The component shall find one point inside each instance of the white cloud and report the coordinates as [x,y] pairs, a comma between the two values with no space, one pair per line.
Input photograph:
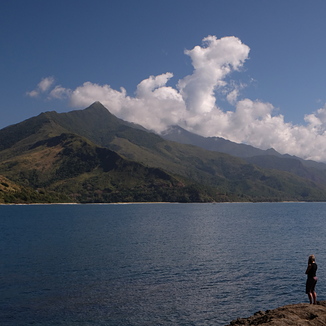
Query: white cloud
[155,105]
[60,93]
[33,93]
[232,97]
[88,93]
[212,62]
[43,86]
[192,103]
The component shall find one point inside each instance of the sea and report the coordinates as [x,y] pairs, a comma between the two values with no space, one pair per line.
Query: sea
[156,264]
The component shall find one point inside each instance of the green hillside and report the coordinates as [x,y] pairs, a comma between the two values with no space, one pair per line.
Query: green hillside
[12,193]
[77,169]
[92,156]
[267,159]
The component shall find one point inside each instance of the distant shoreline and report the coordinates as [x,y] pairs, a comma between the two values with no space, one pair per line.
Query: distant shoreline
[140,203]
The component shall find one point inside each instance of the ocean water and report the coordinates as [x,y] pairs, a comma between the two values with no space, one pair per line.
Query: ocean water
[155,264]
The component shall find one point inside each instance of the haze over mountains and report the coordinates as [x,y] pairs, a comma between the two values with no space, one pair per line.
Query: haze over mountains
[178,134]
[92,156]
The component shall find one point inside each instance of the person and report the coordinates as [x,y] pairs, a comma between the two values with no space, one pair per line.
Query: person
[311,279]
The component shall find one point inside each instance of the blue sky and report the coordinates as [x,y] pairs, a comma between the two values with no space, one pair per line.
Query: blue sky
[252,71]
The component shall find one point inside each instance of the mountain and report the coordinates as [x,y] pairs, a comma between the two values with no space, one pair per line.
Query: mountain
[219,144]
[92,156]
[267,159]
[79,171]
[11,192]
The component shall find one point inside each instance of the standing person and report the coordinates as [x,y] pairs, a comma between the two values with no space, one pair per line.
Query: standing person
[311,279]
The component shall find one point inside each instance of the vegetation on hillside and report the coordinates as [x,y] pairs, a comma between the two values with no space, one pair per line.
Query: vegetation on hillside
[11,193]
[91,156]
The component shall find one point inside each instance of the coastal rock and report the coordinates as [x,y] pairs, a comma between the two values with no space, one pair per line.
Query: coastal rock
[302,314]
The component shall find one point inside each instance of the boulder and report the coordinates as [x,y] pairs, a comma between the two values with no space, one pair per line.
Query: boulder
[301,314]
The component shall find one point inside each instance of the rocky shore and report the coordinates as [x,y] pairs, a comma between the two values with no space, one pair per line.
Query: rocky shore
[302,314]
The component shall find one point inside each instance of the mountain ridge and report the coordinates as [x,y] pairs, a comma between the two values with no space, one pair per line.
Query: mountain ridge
[64,153]
[178,134]
[271,159]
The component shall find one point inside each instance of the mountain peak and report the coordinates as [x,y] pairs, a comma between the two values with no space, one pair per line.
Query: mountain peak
[97,105]
[31,154]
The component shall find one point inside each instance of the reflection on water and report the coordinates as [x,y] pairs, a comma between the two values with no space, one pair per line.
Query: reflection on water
[155,264]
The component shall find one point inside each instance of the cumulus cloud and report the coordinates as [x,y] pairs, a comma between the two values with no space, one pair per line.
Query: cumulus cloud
[212,62]
[155,106]
[43,86]
[60,93]
[192,105]
[88,93]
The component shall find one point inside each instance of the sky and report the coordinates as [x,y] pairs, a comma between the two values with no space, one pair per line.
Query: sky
[251,71]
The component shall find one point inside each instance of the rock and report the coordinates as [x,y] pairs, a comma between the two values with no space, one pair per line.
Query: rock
[302,314]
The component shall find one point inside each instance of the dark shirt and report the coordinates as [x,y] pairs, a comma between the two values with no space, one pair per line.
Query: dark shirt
[312,271]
